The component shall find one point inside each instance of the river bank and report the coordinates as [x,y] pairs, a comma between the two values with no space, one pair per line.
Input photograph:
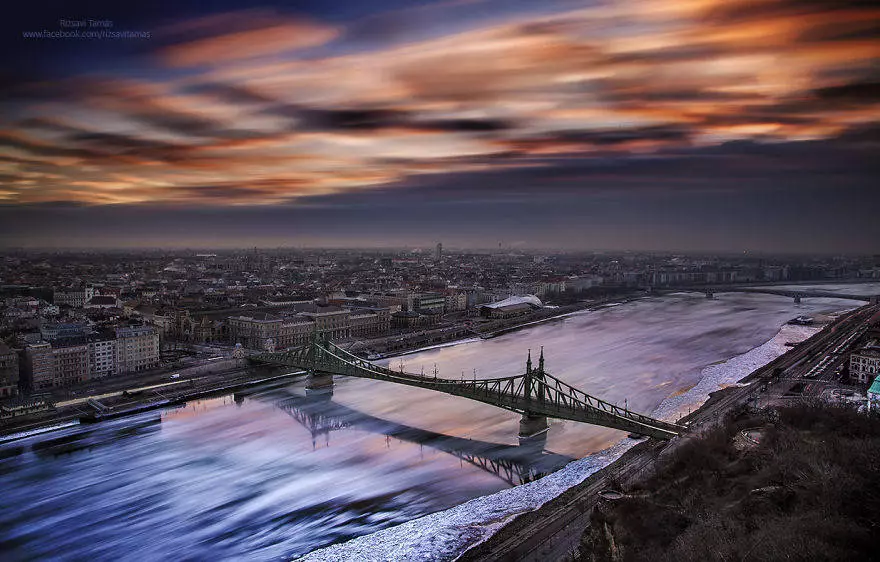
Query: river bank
[137,399]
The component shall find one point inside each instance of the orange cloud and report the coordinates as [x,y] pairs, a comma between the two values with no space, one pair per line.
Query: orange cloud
[259,124]
[264,39]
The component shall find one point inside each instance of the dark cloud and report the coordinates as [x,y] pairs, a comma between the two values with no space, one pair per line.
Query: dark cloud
[665,55]
[739,11]
[841,31]
[859,92]
[233,94]
[599,138]
[865,133]
[351,119]
[142,149]
[611,137]
[37,148]
[463,125]
[376,119]
[102,146]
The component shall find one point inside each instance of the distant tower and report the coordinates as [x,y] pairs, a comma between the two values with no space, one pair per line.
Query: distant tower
[438,253]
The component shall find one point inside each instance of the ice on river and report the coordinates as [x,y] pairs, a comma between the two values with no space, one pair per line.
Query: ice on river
[445,534]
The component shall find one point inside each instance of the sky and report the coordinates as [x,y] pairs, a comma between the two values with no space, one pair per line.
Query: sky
[690,125]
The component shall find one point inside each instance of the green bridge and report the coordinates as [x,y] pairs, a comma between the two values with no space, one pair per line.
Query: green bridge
[536,394]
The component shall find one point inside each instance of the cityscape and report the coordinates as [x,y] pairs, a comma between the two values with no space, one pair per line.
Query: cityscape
[451,280]
[122,313]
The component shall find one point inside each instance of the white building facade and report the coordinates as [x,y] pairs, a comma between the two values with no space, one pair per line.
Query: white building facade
[864,365]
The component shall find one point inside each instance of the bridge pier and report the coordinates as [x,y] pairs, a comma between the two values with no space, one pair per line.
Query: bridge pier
[530,425]
[319,383]
[534,444]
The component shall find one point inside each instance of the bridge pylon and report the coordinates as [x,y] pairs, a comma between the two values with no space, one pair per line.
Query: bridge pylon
[318,381]
[533,424]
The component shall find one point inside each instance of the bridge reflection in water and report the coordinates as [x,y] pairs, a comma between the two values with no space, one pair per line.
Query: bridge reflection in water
[514,464]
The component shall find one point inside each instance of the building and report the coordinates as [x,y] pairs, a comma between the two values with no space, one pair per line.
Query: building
[456,301]
[38,366]
[511,307]
[102,301]
[76,298]
[71,361]
[438,253]
[330,321]
[864,365]
[102,356]
[56,330]
[409,319]
[268,331]
[9,374]
[582,283]
[256,331]
[427,302]
[137,349]
[369,322]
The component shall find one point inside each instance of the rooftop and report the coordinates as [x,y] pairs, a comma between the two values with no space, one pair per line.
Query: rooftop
[530,300]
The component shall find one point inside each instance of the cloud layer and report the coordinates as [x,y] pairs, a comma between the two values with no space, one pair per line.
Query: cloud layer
[261,107]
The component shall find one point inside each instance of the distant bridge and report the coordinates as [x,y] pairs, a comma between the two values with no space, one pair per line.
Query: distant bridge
[536,394]
[513,464]
[796,294]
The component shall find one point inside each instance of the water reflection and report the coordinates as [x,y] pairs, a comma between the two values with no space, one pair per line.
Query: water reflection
[513,464]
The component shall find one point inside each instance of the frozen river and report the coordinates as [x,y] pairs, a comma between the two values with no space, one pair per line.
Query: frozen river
[276,474]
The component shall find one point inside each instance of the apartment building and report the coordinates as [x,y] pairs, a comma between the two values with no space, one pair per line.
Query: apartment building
[102,356]
[9,373]
[38,366]
[137,349]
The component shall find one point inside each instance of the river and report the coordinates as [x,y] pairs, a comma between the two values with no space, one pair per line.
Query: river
[276,473]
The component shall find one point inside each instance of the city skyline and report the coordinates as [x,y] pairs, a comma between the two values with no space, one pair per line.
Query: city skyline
[699,126]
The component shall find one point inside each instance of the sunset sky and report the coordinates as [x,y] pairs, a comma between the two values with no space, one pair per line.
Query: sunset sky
[635,124]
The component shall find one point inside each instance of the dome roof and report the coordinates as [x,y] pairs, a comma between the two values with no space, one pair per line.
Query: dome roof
[530,300]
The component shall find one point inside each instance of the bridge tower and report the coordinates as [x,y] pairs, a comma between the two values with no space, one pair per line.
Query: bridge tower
[318,382]
[531,424]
